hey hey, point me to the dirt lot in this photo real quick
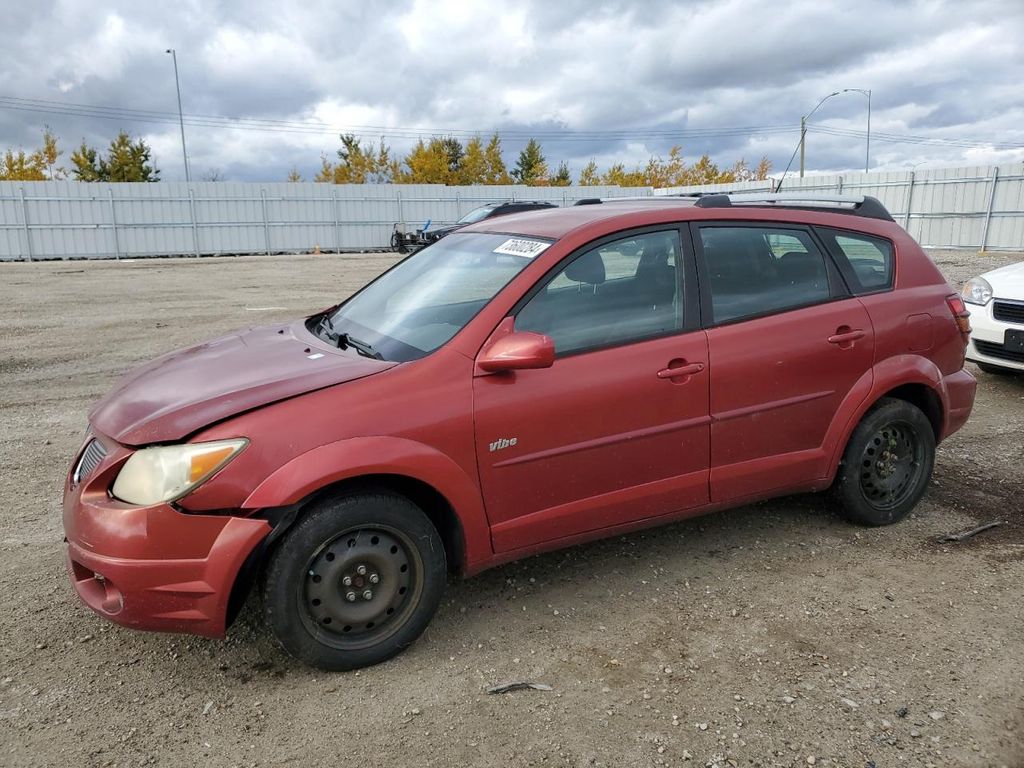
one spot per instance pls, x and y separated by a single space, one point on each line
772 635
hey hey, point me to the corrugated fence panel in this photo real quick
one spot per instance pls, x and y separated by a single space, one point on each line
955 207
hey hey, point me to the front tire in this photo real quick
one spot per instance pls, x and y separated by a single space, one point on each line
887 464
355 582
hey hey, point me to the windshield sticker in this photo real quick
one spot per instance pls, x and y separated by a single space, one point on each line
519 247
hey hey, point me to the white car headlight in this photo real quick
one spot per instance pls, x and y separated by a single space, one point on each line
168 472
977 291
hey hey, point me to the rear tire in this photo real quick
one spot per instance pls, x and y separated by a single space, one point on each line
887 464
355 582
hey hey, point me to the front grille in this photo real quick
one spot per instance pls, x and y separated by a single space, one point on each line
1008 311
991 349
93 454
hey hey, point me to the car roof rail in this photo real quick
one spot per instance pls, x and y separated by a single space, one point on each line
680 198
857 205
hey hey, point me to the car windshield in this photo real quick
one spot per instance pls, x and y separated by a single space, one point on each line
420 304
477 214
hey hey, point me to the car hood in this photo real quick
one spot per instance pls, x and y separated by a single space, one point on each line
186 390
1007 282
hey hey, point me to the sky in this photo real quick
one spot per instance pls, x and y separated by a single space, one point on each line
613 81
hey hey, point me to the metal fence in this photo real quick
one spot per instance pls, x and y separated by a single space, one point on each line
67 219
967 208
974 207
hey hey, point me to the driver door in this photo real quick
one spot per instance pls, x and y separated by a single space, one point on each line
606 436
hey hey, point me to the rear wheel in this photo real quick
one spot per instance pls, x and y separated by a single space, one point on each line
887 464
355 582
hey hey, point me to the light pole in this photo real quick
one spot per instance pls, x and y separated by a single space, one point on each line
803 125
867 146
181 118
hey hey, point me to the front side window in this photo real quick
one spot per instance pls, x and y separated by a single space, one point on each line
619 292
428 298
759 270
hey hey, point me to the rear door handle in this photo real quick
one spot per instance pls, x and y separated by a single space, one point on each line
682 370
846 337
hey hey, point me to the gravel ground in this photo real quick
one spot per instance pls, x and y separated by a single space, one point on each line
771 635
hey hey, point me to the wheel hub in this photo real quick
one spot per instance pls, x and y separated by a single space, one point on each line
358 584
889 465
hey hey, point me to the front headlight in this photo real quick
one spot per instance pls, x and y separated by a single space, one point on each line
977 291
168 472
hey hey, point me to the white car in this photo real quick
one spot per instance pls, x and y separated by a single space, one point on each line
996 303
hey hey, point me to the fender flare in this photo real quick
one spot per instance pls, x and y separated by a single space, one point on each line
883 377
361 456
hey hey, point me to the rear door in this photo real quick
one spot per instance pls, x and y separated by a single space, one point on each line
786 344
617 430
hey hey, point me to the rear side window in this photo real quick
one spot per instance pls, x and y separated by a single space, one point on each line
869 259
755 271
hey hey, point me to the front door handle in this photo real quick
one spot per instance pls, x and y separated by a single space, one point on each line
845 335
686 369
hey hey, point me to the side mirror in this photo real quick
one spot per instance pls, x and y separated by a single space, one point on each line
517 351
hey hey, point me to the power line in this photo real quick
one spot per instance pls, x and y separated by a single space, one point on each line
911 139
315 127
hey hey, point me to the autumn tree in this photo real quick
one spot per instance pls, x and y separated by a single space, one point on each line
496 172
473 167
589 176
358 163
429 162
531 167
38 165
126 160
294 176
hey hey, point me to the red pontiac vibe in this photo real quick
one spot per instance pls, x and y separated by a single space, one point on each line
526 383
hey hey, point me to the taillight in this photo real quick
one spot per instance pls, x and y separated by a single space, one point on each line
960 314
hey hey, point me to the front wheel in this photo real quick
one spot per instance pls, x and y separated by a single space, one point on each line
355 582
887 464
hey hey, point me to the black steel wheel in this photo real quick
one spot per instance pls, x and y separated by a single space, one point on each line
360 587
887 464
355 582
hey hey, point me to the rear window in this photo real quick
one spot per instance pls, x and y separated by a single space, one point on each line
868 259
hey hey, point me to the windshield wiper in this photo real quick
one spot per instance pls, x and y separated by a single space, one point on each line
347 340
343 340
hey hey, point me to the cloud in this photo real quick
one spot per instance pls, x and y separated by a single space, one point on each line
571 71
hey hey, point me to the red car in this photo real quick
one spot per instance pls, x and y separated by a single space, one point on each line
525 383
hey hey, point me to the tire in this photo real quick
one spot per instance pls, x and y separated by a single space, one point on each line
887 464
394 562
996 370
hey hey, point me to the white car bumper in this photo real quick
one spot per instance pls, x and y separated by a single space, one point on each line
988 342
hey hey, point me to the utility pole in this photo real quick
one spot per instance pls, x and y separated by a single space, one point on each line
803 126
181 117
803 137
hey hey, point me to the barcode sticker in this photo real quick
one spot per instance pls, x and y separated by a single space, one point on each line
519 247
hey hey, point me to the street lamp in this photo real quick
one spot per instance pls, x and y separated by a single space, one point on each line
181 118
803 125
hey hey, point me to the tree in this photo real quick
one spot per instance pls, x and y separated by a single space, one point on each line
358 163
294 176
496 172
588 176
562 178
214 174
531 167
473 168
39 165
429 163
126 160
